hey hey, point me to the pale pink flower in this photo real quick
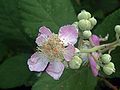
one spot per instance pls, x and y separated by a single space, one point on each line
53 49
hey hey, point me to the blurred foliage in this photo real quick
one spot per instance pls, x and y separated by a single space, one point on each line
71 80
108 24
99 8
52 14
11 31
14 72
19 24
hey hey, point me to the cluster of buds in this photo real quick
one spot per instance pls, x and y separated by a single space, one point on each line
106 64
85 23
90 51
109 68
55 52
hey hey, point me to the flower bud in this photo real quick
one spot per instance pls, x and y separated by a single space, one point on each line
84 15
87 34
84 24
75 63
117 29
106 58
94 40
109 68
75 24
93 21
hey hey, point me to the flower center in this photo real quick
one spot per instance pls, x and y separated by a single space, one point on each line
53 47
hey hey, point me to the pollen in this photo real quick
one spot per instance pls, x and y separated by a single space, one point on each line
53 47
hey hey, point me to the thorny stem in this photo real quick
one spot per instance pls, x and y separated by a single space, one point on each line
103 47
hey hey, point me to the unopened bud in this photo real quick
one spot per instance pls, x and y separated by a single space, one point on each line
84 15
109 68
75 24
75 63
93 21
117 29
87 34
106 58
84 24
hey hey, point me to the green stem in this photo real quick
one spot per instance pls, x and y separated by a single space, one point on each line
92 49
98 47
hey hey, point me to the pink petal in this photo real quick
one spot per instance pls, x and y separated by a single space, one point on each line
68 34
95 40
37 62
44 30
69 52
93 66
55 69
40 40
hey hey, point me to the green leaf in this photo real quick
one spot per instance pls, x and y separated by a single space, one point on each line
107 5
70 80
3 51
50 13
107 26
11 30
14 71
99 9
